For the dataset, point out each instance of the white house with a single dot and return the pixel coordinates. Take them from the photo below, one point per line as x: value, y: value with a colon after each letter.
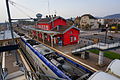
x: 101, y: 21
x: 88, y: 22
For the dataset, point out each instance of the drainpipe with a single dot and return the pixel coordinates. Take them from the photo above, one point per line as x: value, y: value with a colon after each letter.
x: 79, y: 38
x: 57, y: 28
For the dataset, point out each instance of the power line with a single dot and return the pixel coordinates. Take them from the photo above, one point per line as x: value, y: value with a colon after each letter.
x: 24, y: 7
x: 18, y: 7
x: 48, y: 7
x: 13, y: 4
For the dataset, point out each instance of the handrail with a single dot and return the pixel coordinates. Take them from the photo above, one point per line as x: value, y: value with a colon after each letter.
x: 101, y: 46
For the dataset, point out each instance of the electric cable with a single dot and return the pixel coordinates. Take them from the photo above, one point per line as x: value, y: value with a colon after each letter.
x: 19, y: 9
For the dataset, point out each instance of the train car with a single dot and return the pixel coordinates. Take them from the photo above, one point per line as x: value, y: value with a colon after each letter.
x: 114, y: 68
x: 53, y: 64
x: 102, y: 76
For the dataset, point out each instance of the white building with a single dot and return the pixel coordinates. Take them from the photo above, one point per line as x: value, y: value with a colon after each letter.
x: 101, y: 21
x: 88, y: 22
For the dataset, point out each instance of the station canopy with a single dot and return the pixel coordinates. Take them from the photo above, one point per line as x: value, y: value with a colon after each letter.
x: 45, y: 31
x: 6, y: 35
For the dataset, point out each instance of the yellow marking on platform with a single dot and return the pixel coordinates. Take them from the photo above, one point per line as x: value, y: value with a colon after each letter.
x: 79, y: 62
x: 24, y: 61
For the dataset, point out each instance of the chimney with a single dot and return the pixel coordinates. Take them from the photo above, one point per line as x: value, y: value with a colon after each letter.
x: 46, y: 16
x: 50, y: 16
x: 54, y: 15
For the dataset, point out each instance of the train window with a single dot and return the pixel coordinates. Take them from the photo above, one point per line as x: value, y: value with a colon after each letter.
x: 32, y: 42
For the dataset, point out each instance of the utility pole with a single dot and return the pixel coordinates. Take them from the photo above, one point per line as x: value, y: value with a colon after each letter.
x: 106, y: 34
x: 11, y: 28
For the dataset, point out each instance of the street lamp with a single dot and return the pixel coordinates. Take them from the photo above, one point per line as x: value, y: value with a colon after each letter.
x: 106, y: 33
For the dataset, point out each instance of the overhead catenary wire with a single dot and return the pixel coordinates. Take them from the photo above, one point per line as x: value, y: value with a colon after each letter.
x: 28, y: 9
x: 22, y: 11
x: 22, y: 6
x: 48, y: 7
x: 19, y: 9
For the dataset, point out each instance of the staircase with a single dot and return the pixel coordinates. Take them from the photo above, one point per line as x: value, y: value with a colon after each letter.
x: 100, y: 46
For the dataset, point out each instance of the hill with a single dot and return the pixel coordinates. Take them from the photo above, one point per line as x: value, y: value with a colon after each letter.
x: 114, y: 16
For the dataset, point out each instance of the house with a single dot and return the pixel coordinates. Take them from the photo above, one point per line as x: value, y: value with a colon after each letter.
x: 56, y: 31
x: 101, y: 21
x: 88, y: 22
x: 67, y: 34
x: 50, y: 22
x: 77, y: 21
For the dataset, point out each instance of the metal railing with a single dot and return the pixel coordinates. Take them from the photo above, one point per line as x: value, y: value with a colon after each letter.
x: 101, y: 46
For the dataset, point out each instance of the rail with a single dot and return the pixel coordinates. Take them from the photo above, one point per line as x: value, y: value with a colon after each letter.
x: 28, y: 67
x: 3, y: 68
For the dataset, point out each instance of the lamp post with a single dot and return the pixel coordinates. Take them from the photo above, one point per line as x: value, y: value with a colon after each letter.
x: 106, y: 33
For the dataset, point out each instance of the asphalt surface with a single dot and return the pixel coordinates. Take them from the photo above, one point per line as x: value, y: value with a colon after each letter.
x: 110, y: 38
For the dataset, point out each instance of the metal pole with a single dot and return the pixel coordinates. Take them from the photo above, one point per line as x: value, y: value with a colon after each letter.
x: 0, y: 65
x: 11, y: 28
x: 43, y: 37
x: 106, y: 33
x: 51, y: 40
x: 9, y: 18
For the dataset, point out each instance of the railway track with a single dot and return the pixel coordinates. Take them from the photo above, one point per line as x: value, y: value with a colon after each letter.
x: 28, y: 66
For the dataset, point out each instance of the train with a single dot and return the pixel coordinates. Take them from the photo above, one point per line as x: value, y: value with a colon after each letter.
x: 59, y: 67
x: 51, y: 63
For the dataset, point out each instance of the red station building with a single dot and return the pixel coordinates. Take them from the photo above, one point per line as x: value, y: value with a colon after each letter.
x: 55, y: 30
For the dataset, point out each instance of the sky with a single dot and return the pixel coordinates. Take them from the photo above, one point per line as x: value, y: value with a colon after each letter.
x: 64, y: 8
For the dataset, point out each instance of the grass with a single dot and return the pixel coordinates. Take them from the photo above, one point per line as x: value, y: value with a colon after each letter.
x: 108, y: 54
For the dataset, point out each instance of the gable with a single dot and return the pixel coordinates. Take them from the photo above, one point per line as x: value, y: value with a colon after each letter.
x: 72, y: 27
x: 63, y: 29
x: 72, y: 31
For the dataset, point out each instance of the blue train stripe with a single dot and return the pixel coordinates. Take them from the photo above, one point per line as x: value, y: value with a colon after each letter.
x: 58, y: 72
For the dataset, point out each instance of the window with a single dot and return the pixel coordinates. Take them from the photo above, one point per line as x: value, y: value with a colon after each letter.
x: 43, y: 27
x: 75, y: 39
x: 71, y: 38
x: 71, y: 32
x: 46, y: 27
